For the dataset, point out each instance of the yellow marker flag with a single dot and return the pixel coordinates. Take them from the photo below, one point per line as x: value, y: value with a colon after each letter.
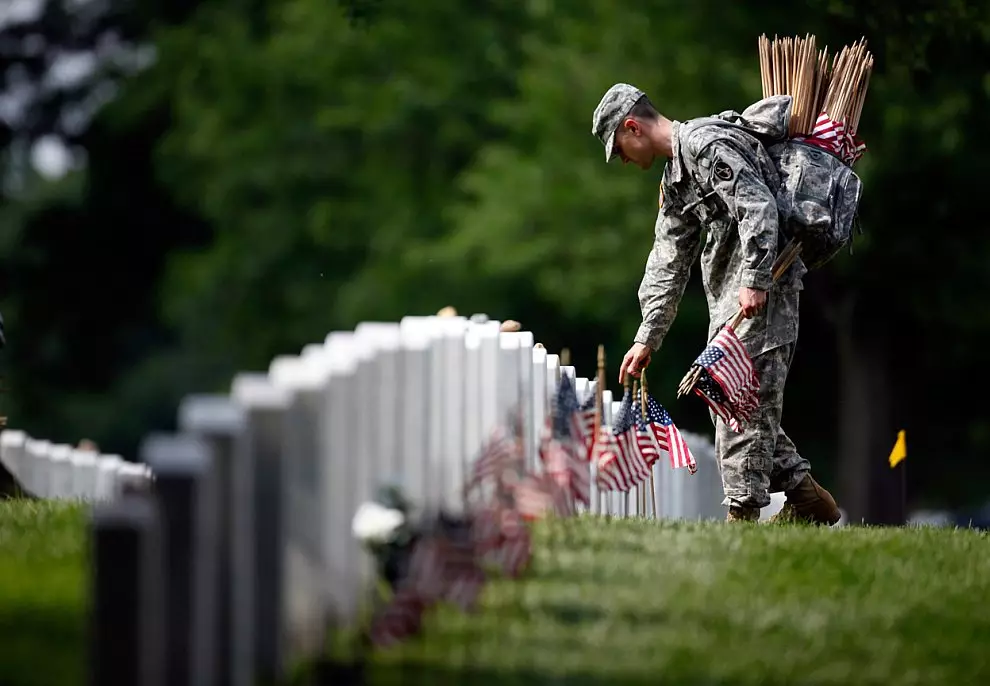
x: 900, y: 450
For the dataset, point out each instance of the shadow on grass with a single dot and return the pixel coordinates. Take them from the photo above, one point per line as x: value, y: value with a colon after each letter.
x: 408, y: 674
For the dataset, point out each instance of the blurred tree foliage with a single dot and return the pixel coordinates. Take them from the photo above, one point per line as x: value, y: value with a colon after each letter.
x: 286, y: 168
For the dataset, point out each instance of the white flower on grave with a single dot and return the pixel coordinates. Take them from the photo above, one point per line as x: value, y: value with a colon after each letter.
x: 375, y: 524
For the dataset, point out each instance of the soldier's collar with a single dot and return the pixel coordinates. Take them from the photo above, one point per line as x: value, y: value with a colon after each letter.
x: 674, y: 165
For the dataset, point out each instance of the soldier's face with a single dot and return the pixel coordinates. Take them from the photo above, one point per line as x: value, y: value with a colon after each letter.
x: 633, y: 145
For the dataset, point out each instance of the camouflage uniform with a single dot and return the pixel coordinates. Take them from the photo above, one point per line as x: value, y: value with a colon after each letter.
x: 721, y: 178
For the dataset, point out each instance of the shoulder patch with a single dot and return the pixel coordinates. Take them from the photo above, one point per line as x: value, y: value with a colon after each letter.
x: 722, y: 171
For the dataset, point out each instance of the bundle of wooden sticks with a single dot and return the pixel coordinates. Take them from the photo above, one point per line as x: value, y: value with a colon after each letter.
x: 795, y: 67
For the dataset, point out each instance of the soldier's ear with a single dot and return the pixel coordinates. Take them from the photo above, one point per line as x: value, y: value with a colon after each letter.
x: 632, y: 126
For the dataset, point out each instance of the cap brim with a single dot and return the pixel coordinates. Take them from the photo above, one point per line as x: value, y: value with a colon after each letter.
x: 609, y: 145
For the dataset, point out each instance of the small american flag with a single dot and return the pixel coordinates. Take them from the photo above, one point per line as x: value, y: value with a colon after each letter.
x: 831, y: 135
x: 571, y: 474
x: 515, y: 552
x: 502, y: 451
x: 501, y: 538
x: 726, y: 362
x: 531, y: 497
x: 668, y: 436
x: 646, y: 443
x: 561, y: 447
x: 605, y: 450
x: 565, y: 418
x: 445, y: 568
x: 625, y: 466
x: 464, y: 578
x: 586, y: 417
x: 401, y: 618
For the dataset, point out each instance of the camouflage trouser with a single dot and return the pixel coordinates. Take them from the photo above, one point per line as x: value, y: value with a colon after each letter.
x: 761, y: 459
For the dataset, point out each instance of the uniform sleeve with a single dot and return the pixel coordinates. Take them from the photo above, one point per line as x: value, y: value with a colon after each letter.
x: 668, y: 269
x: 751, y: 203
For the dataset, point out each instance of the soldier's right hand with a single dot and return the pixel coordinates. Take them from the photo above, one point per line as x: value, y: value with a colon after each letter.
x: 635, y: 361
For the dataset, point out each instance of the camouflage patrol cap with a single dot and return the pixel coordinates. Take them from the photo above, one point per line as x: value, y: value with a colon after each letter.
x: 612, y: 109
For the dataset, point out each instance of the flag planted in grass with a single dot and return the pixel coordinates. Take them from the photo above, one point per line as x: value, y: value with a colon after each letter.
x: 537, y: 495
x: 568, y: 416
x: 624, y: 463
x: 668, y: 436
x: 502, y: 539
x: 586, y: 418
x: 562, y: 448
x: 400, y: 619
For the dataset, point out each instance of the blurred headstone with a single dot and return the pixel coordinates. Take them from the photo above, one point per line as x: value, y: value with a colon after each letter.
x: 219, y: 421
x: 185, y: 490
x: 126, y: 629
x: 266, y: 405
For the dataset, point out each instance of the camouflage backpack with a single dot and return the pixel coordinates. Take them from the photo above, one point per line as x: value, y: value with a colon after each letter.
x: 818, y: 197
x: 818, y: 200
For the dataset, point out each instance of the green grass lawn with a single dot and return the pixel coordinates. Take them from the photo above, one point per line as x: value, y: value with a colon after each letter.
x: 43, y: 558
x: 635, y: 602
x: 614, y: 602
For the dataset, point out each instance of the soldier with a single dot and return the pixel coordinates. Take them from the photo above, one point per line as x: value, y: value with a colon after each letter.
x: 719, y: 176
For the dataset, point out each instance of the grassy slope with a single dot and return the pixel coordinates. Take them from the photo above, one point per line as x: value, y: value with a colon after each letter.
x: 615, y: 602
x: 636, y: 602
x: 42, y: 594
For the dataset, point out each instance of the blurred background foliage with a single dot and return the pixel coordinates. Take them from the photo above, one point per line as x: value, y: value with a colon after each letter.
x: 236, y: 178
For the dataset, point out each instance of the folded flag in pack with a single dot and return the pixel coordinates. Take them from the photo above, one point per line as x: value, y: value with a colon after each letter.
x: 728, y: 382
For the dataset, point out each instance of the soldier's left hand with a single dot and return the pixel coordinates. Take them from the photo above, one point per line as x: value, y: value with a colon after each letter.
x: 751, y: 301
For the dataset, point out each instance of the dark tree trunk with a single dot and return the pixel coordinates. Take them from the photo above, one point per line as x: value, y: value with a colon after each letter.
x: 870, y: 490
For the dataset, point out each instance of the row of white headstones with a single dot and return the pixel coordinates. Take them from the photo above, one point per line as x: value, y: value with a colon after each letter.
x: 43, y: 469
x: 265, y: 481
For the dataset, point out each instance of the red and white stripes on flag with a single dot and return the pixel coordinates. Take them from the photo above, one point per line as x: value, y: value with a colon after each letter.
x: 832, y: 136
x: 624, y: 457
x: 445, y: 568
x: 501, y: 538
x: 728, y: 364
x: 561, y: 462
x: 668, y: 436
x: 399, y: 619
x: 537, y: 495
x: 502, y: 451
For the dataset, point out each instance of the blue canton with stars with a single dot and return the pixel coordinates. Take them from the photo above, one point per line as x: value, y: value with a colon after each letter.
x: 709, y: 387
x: 624, y: 418
x: 709, y: 356
x: 657, y: 413
x: 566, y: 404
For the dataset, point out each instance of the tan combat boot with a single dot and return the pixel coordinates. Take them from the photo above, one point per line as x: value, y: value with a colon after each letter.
x: 809, y: 503
x: 742, y: 514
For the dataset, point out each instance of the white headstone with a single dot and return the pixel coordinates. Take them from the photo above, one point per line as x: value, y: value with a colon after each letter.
x: 60, y: 479
x: 84, y: 474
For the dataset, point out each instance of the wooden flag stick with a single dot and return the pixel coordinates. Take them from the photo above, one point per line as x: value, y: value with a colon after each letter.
x: 598, y: 390
x: 642, y: 400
